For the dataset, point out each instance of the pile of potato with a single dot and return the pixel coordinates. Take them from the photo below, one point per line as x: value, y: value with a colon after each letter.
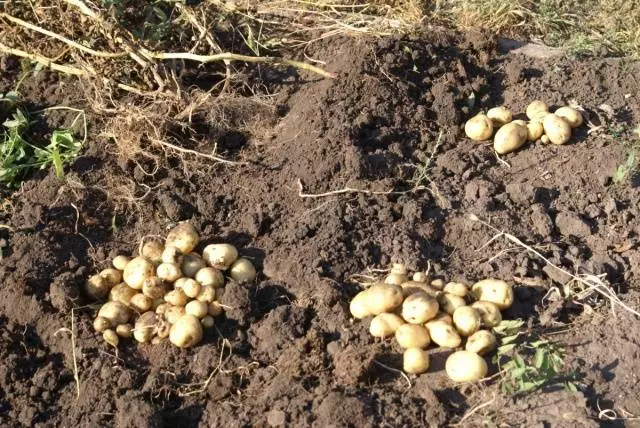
x: 168, y: 290
x: 511, y: 134
x: 420, y: 311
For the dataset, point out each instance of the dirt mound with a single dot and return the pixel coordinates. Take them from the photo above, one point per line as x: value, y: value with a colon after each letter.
x: 390, y: 123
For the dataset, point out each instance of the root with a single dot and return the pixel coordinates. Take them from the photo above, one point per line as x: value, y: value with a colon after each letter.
x: 348, y: 190
x: 76, y: 373
x: 391, y: 369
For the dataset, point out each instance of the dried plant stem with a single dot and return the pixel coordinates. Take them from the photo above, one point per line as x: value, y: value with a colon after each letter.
x: 198, y: 154
x: 350, y: 190
x: 72, y: 331
x: 47, y: 62
x: 391, y: 369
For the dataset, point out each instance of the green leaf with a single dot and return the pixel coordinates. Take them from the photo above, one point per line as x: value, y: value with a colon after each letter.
x: 57, y: 164
x: 509, y: 339
x: 504, y: 349
x: 570, y: 386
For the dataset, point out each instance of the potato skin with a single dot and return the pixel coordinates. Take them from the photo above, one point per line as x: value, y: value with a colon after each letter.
x: 557, y: 129
x: 358, y: 306
x: 444, y: 334
x: 489, y: 313
x: 500, y: 116
x: 465, y: 366
x: 535, y: 108
x: 479, y: 128
x: 571, y: 115
x: 466, y: 320
x: 419, y: 308
x: 509, y: 138
x: 383, y: 298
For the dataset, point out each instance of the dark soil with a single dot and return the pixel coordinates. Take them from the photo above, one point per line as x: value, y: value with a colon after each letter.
x: 297, y: 357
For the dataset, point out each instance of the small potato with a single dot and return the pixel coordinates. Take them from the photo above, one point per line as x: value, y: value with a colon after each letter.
x: 466, y: 320
x: 124, y: 330
x: 207, y: 294
x: 571, y: 115
x: 100, y: 324
x: 411, y: 287
x: 186, y: 331
x: 172, y: 255
x: 509, y: 138
x: 242, y: 270
x: 210, y: 276
x: 397, y: 275
x: 479, y: 128
x: 168, y: 271
x: 157, y: 302
x: 152, y: 251
x: 385, y: 324
x: 120, y: 262
x: 190, y: 287
x: 215, y: 309
x: 220, y: 256
x: 544, y: 139
x: 358, y: 306
x: 112, y: 276
x: 122, y: 293
x: 115, y: 312
x: 191, y: 264
x: 493, y: 290
x: 163, y: 328
x: 489, y: 313
x: 176, y: 297
x: 97, y: 287
x: 383, y: 298
x: 146, y: 327
x: 173, y: 313
x: 500, y: 116
x: 154, y: 287
x: 438, y: 283
x: 450, y: 302
x: 140, y: 303
x: 456, y: 288
x: 420, y: 277
x: 419, y: 308
x: 184, y: 237
x: 413, y: 336
x: 197, y: 309
x: 465, y: 366
x: 534, y: 131
x: 444, y: 334
x: 111, y: 337
x: 162, y: 308
x: 557, y: 129
x: 441, y: 316
x: 535, y: 108
x: 415, y: 361
x: 137, y: 271
x: 208, y: 321
x: 481, y: 342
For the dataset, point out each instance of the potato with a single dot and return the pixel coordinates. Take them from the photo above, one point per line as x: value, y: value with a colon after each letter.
x: 184, y: 237
x: 120, y: 262
x: 162, y: 328
x: 520, y: 122
x: 152, y: 251
x: 493, y: 290
x: 450, y: 302
x: 242, y: 270
x: 499, y: 116
x: 489, y: 313
x: 557, y: 129
x: 190, y: 287
x: 124, y: 330
x: 413, y: 336
x: 534, y: 131
x: 137, y: 271
x: 465, y: 366
x: 140, y: 303
x: 207, y: 294
x: 420, y: 277
x: 535, y: 108
x: 111, y: 337
x: 398, y: 274
x: 210, y: 276
x: 385, y: 324
x: 509, y: 138
x: 571, y: 115
x: 544, y: 139
x: 220, y: 256
x: 173, y: 313
x: 444, y: 334
x: 383, y: 298
x: 419, y: 308
x: 115, y: 312
x: 146, y: 327
x: 162, y: 308
x: 215, y: 309
x: 411, y: 287
x: 186, y: 332
x: 197, y: 309
x: 168, y: 271
x: 176, y: 297
x: 208, y: 321
x: 466, y: 320
x: 358, y: 306
x: 437, y: 283
x: 415, y: 361
x: 122, y: 293
x: 456, y: 288
x: 100, y: 324
x: 112, y: 276
x: 97, y: 287
x: 539, y: 117
x: 441, y: 316
x: 481, y: 342
x: 172, y: 255
x: 479, y: 128
x: 154, y: 287
x: 157, y: 302
x: 191, y: 264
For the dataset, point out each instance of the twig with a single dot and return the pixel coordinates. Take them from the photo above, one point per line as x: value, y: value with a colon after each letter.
x: 350, y: 190
x: 47, y: 62
x: 199, y: 154
x: 76, y: 375
x: 6, y: 226
x: 474, y: 410
x: 61, y: 38
x: 502, y: 161
x: 400, y: 372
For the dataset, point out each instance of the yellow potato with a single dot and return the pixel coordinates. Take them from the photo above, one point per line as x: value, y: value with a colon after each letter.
x: 481, y: 342
x: 557, y: 129
x: 383, y: 298
x: 184, y: 237
x: 168, y: 271
x: 420, y: 277
x: 415, y: 361
x: 441, y: 316
x: 173, y: 313
x: 385, y: 324
x: 456, y: 288
x: 535, y: 108
x: 493, y: 290
x: 154, y: 287
x: 358, y: 306
x: 544, y: 139
x: 412, y: 287
x: 191, y: 264
x: 534, y: 131
x: 124, y: 330
x: 152, y: 251
x: 100, y: 324
x: 146, y: 327
x: 176, y: 297
x: 571, y: 115
x: 465, y: 366
x: 115, y: 312
x: 97, y: 287
x: 242, y: 270
x: 412, y: 336
x: 137, y: 271
x: 509, y: 138
x: 479, y: 128
x: 197, y: 308
x: 122, y: 293
x: 437, y: 283
x: 499, y: 116
x: 111, y: 276
x: 450, y: 302
x: 444, y: 334
x: 466, y: 320
x: 111, y: 338
x: 140, y: 303
x: 419, y: 308
x: 120, y: 262
x: 398, y: 275
x: 489, y: 313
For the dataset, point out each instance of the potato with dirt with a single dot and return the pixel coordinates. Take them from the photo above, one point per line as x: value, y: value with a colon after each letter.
x: 479, y: 128
x: 494, y: 290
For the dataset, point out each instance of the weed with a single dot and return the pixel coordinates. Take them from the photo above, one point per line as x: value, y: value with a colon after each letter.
x: 629, y: 168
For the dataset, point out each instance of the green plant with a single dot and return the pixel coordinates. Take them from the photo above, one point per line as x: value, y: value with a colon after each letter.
x: 528, y: 365
x: 630, y: 165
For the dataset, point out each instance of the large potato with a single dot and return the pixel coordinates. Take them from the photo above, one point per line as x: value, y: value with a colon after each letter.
x: 536, y: 108
x: 137, y: 271
x: 115, y: 312
x: 184, y: 237
x: 489, y: 313
x: 571, y: 115
x: 385, y: 324
x: 466, y: 366
x: 466, y: 320
x: 557, y: 129
x: 358, y: 306
x: 412, y: 336
x: 481, y: 342
x: 499, y: 116
x: 383, y: 298
x: 479, y: 128
x: 493, y: 290
x: 419, y: 308
x: 444, y: 334
x: 509, y: 138
x: 450, y: 302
